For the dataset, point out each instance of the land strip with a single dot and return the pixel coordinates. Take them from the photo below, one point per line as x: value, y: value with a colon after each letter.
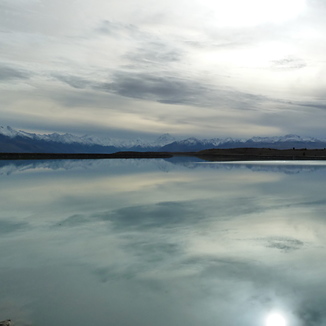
x: 234, y: 154
x: 81, y: 156
x: 254, y: 154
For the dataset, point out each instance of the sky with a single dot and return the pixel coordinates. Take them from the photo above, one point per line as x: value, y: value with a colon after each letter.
x: 203, y: 68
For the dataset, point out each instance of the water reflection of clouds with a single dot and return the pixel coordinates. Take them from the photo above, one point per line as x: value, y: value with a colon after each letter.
x: 7, y: 226
x: 188, y: 247
x: 169, y: 250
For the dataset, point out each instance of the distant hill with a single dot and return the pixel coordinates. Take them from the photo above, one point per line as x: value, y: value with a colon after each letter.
x: 283, y: 142
x: 19, y: 141
x: 21, y: 144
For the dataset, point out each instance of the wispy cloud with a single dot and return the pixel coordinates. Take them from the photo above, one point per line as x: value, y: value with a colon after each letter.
x: 167, y: 88
x: 285, y: 244
x: 289, y: 63
x: 8, y: 73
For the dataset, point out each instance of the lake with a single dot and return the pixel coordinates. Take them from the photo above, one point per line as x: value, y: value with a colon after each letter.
x: 163, y: 242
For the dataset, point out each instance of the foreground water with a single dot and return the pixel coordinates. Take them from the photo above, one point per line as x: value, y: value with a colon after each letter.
x: 162, y: 242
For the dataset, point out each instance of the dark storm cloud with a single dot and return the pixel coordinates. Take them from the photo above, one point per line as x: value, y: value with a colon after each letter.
x: 8, y: 73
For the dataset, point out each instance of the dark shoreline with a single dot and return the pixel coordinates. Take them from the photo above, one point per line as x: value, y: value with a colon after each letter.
x: 234, y: 154
x: 81, y: 156
x: 261, y: 154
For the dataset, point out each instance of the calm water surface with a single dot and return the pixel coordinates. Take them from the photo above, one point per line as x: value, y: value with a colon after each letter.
x: 162, y: 242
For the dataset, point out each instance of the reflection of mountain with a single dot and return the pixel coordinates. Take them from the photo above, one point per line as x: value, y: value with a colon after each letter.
x: 164, y: 165
x: 279, y: 168
x: 287, y: 167
x: 9, y: 167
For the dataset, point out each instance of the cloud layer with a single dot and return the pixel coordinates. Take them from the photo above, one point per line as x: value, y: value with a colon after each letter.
x: 194, y: 69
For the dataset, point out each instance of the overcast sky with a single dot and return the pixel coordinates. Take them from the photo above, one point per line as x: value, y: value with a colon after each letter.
x: 204, y: 68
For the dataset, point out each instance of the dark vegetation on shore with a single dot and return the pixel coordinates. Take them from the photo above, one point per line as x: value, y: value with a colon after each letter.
x: 81, y: 156
x: 233, y: 154
x: 247, y: 154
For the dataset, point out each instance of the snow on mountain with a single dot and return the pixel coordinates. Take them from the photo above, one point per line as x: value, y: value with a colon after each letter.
x: 8, y: 131
x: 122, y: 143
x: 88, y: 140
x: 65, y: 138
x: 165, y: 141
x: 213, y: 141
x: 55, y: 137
x: 264, y: 139
x: 159, y: 142
x: 286, y: 138
x: 68, y: 138
x: 190, y: 141
x: 290, y: 137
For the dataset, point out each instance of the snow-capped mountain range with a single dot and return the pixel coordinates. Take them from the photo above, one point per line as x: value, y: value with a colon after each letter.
x: 12, y: 140
x: 86, y: 139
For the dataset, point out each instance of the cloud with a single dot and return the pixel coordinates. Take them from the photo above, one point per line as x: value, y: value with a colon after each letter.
x: 74, y: 220
x: 289, y: 63
x: 156, y: 88
x: 153, y: 53
x: 164, y: 215
x: 162, y: 54
x: 160, y: 215
x: 168, y: 89
x: 118, y: 29
x: 8, y: 73
x: 312, y: 316
x: 73, y: 81
x: 285, y: 244
x: 145, y: 48
x: 9, y: 226
x: 320, y: 106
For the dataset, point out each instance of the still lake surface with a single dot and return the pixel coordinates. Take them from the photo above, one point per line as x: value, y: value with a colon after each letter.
x: 162, y: 242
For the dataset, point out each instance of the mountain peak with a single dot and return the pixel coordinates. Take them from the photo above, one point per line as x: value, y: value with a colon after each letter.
x: 8, y: 131
x: 164, y: 139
